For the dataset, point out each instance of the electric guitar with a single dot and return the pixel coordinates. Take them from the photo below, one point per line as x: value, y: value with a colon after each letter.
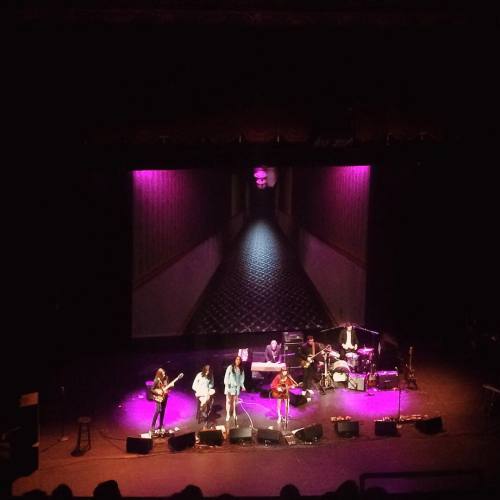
x: 410, y: 372
x: 305, y: 363
x: 372, y: 377
x: 160, y: 393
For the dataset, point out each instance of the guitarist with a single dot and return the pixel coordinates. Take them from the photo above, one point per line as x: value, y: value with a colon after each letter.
x: 160, y: 391
x: 281, y: 386
x: 309, y: 354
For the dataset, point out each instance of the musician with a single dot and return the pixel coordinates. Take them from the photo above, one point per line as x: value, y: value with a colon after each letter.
x: 234, y: 379
x: 348, y: 340
x: 273, y: 352
x: 203, y: 387
x: 309, y: 352
x: 281, y: 386
x: 160, y: 396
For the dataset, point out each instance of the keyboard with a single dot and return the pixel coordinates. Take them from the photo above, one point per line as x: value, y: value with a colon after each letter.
x: 258, y: 366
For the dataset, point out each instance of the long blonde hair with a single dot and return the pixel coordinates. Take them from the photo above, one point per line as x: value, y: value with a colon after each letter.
x: 160, y: 374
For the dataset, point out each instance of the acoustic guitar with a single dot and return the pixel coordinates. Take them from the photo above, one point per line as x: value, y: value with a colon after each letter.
x: 282, y: 391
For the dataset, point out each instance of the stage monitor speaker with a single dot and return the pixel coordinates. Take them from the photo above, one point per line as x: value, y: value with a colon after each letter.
x: 240, y: 435
x: 386, y: 428
x: 347, y: 428
x: 297, y: 399
x: 182, y: 441
x: 211, y: 437
x: 430, y: 425
x: 139, y: 445
x: 310, y: 434
x: 268, y: 436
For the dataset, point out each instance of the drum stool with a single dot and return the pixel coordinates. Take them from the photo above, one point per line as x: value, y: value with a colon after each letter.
x: 83, y: 443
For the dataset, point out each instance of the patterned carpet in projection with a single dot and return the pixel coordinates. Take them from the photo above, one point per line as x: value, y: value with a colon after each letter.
x: 259, y: 287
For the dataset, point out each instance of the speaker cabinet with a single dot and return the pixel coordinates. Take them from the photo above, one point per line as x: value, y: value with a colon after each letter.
x: 357, y: 381
x: 149, y: 385
x: 347, y: 428
x: 309, y: 434
x: 386, y: 428
x: 387, y: 380
x: 211, y: 437
x: 240, y: 435
x: 268, y: 436
x: 291, y: 353
x: 430, y: 425
x: 297, y: 399
x: 139, y: 445
x: 293, y: 337
x: 23, y: 444
x: 182, y: 441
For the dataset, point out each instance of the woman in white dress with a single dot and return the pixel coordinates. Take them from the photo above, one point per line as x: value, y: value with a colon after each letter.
x: 203, y: 387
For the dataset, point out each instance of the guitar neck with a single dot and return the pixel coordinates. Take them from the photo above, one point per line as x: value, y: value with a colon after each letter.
x: 171, y: 384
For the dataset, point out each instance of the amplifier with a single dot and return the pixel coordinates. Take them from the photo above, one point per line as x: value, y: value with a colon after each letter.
x: 293, y: 337
x: 387, y: 380
x: 291, y: 354
x: 149, y: 386
x: 357, y: 381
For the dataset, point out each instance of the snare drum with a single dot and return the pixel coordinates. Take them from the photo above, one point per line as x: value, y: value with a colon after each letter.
x: 352, y: 360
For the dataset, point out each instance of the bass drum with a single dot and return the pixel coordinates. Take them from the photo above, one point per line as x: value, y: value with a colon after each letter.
x: 340, y: 366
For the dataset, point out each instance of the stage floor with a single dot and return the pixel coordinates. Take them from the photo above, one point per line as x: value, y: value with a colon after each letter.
x: 111, y: 390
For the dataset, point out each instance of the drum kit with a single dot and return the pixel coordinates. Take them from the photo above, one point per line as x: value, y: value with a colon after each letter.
x: 360, y: 361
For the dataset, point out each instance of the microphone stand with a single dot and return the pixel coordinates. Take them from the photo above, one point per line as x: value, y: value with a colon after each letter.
x: 366, y: 330
x: 63, y: 416
x: 398, y: 420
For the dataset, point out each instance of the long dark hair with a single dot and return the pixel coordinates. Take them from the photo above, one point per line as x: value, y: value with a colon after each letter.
x: 233, y: 364
x: 207, y: 373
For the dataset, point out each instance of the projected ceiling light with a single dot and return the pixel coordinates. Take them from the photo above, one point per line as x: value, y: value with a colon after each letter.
x: 259, y: 173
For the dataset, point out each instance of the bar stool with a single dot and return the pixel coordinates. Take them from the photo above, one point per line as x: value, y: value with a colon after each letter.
x: 83, y: 440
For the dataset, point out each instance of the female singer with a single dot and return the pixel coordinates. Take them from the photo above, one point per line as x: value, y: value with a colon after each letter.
x: 203, y: 387
x: 281, y: 386
x: 233, y: 383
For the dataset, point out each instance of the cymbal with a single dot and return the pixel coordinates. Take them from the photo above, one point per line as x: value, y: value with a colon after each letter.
x: 366, y: 350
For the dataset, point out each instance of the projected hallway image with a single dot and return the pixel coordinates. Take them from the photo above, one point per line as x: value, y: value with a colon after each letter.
x: 259, y: 287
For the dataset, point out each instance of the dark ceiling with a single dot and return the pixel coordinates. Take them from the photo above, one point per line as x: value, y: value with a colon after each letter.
x: 191, y: 72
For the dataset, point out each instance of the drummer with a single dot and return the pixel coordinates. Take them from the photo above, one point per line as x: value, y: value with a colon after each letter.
x: 348, y: 340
